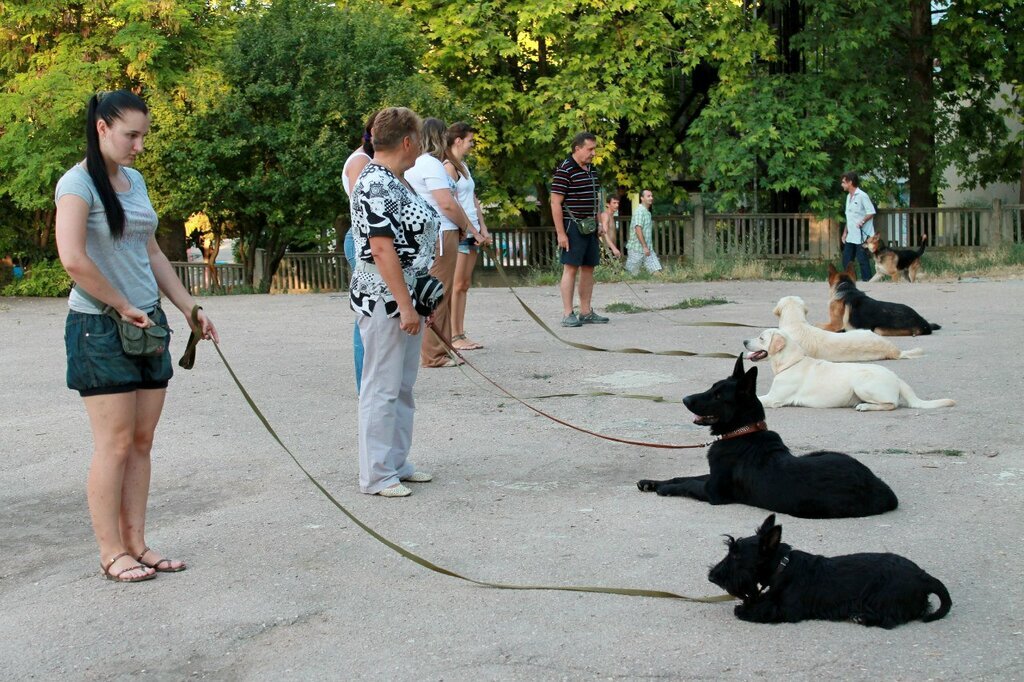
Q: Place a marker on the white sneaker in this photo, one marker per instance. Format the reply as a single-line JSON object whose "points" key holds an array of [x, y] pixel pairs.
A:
{"points": [[419, 477]]}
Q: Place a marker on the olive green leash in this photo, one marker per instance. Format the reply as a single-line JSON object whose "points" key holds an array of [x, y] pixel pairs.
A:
{"points": [[188, 361]]}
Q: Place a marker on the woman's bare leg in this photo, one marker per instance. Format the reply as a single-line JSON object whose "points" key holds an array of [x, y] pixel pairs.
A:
{"points": [[149, 405], [112, 418], [460, 294]]}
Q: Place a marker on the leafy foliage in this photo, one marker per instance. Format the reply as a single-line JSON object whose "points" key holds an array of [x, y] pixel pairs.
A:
{"points": [[53, 57], [45, 278], [259, 142]]}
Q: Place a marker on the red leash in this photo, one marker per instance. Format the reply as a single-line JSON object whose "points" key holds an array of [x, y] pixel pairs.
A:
{"points": [[553, 418]]}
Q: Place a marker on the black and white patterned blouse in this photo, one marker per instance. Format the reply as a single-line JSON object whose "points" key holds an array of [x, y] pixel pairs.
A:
{"points": [[382, 206]]}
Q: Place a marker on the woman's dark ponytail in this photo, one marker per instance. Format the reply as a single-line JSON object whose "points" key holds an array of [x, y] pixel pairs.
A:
{"points": [[109, 107], [368, 135]]}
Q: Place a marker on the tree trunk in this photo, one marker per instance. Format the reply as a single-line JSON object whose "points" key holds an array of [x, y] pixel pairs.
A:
{"points": [[170, 235], [921, 108]]}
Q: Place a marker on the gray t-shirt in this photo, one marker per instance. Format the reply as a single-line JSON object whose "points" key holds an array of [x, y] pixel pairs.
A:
{"points": [[125, 261]]}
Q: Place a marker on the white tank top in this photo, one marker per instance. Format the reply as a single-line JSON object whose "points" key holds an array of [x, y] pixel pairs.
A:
{"points": [[344, 169], [465, 192]]}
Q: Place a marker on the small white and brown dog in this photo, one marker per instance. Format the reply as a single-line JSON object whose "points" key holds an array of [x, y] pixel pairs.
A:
{"points": [[803, 381], [853, 346]]}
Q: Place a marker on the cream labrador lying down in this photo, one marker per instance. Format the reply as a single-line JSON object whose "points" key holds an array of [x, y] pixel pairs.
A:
{"points": [[808, 382], [851, 346]]}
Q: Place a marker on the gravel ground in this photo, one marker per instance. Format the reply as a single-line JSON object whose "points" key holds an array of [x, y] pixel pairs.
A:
{"points": [[283, 586]]}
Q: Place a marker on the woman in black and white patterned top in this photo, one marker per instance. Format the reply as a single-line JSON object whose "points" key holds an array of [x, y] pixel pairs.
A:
{"points": [[395, 232]]}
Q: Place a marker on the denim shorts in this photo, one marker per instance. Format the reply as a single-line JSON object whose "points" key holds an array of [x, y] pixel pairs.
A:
{"points": [[468, 245], [98, 365]]}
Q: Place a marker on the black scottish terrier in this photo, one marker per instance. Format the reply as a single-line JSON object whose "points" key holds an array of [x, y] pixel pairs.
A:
{"points": [[751, 465], [779, 584]]}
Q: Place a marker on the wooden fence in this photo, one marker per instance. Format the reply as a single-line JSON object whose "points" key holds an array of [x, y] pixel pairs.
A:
{"points": [[693, 238]]}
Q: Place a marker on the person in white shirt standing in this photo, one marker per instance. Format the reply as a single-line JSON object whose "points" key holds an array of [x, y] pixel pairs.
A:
{"points": [[354, 165], [860, 224], [460, 138], [430, 180]]}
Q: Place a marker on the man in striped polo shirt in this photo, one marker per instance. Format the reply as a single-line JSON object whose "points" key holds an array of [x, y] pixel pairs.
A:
{"points": [[574, 205]]}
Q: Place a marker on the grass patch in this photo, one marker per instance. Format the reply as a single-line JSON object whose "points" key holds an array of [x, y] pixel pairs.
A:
{"points": [[945, 452], [895, 451], [540, 376], [627, 308], [958, 263], [695, 303]]}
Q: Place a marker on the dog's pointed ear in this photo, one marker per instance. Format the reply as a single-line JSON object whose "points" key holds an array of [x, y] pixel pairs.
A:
{"points": [[851, 270], [832, 272], [748, 384], [770, 540], [737, 370], [767, 525]]}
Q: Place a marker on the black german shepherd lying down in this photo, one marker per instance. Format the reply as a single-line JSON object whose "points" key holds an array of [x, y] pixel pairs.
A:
{"points": [[751, 465], [881, 317]]}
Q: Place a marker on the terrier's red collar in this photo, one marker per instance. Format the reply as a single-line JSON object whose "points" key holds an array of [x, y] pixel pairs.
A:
{"points": [[744, 430]]}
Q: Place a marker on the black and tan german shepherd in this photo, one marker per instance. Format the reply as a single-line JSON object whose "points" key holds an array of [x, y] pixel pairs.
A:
{"points": [[896, 263], [860, 311]]}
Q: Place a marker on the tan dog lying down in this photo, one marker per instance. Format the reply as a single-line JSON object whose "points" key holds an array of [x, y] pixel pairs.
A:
{"points": [[803, 381], [853, 346]]}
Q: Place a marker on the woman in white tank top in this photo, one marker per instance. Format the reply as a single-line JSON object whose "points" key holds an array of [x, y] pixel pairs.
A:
{"points": [[460, 142], [354, 165]]}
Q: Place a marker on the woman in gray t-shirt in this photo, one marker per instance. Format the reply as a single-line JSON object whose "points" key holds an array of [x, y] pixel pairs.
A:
{"points": [[106, 230]]}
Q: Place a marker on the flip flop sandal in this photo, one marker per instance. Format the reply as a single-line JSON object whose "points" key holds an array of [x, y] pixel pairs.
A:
{"points": [[159, 566], [467, 344], [116, 577]]}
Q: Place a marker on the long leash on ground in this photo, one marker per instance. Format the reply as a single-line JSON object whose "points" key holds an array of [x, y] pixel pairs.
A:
{"points": [[586, 346], [658, 312], [455, 352], [188, 361]]}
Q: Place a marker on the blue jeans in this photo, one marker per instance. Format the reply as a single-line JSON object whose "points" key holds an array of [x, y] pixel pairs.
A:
{"points": [[857, 250], [357, 339]]}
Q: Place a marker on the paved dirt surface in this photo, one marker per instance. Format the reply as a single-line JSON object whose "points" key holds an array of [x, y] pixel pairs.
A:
{"points": [[282, 586]]}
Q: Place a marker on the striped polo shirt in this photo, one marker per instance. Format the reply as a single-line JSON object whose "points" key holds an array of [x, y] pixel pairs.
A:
{"points": [[579, 187]]}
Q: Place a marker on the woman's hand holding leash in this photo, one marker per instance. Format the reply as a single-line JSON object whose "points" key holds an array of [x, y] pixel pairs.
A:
{"points": [[409, 320]]}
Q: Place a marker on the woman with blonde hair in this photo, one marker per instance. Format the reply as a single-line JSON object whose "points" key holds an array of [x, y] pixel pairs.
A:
{"points": [[460, 138], [430, 180]]}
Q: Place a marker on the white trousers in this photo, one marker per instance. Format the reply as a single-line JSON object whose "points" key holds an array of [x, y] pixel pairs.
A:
{"points": [[386, 405], [635, 258]]}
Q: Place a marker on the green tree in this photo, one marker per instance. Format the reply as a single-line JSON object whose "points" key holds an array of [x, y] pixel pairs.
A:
{"points": [[53, 57], [537, 72], [261, 144]]}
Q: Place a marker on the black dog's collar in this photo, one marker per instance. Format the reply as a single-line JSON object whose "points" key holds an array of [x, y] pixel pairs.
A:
{"points": [[744, 430], [783, 562]]}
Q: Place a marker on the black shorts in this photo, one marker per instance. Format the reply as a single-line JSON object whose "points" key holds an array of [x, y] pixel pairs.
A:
{"points": [[98, 365], [584, 249]]}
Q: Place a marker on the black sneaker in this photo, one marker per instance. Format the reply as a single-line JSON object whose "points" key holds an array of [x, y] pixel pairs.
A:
{"points": [[592, 318], [571, 320]]}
